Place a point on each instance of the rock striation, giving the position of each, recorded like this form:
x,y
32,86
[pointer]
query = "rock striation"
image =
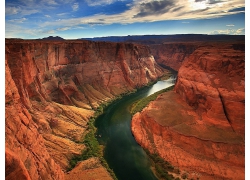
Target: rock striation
x,y
213,82
173,54
53,88
199,127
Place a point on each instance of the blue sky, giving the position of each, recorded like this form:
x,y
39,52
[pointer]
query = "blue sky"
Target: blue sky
x,y
72,19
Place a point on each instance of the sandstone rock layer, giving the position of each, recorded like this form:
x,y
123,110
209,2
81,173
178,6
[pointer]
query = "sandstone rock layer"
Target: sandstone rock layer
x,y
199,127
173,54
53,88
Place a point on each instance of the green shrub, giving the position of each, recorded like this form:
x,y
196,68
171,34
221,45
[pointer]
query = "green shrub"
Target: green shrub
x,y
139,105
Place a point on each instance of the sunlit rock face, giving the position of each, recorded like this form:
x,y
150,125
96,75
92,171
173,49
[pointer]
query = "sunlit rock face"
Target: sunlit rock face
x,y
26,156
199,127
212,81
53,88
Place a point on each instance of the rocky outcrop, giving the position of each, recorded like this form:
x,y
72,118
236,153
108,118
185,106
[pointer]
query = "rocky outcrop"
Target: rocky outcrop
x,y
199,127
53,88
212,81
88,169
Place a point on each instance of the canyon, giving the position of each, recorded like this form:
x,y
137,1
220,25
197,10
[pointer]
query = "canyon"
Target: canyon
x,y
52,89
199,127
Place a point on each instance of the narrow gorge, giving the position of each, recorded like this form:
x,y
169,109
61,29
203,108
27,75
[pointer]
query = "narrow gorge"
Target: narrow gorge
x,y
53,89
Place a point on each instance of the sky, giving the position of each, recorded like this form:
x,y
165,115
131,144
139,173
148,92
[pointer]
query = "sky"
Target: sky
x,y
73,19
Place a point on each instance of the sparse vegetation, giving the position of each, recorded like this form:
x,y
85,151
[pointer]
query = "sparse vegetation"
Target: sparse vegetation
x,y
166,76
162,167
93,148
139,105
184,176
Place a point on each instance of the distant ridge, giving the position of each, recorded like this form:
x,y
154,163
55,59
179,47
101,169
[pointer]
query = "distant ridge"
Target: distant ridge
x,y
57,38
157,39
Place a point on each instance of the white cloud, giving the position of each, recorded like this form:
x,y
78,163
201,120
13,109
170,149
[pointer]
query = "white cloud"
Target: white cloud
x,y
46,15
230,25
148,11
240,31
12,10
75,6
100,2
138,11
63,29
62,14
49,2
21,20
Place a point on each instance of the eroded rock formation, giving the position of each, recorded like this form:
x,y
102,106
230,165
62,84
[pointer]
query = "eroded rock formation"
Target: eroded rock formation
x,y
53,88
199,127
173,54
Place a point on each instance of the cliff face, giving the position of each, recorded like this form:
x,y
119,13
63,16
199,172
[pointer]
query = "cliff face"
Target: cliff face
x,y
199,127
52,89
66,72
213,82
173,54
26,156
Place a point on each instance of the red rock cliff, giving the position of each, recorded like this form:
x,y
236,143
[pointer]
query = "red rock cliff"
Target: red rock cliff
x,y
173,54
199,128
212,81
52,89
26,156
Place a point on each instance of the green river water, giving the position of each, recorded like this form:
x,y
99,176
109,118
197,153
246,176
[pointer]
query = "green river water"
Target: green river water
x,y
127,159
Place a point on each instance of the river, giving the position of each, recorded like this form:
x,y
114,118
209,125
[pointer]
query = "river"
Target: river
x,y
127,159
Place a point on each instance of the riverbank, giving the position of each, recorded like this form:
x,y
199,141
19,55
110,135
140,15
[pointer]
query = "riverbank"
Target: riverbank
x,y
171,129
114,133
93,148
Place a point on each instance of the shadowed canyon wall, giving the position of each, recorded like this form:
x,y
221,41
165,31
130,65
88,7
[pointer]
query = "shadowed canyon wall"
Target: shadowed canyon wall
x,y
200,126
173,54
53,88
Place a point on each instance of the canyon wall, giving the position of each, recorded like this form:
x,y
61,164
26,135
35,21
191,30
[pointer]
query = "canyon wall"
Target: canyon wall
x,y
173,54
213,82
53,88
200,126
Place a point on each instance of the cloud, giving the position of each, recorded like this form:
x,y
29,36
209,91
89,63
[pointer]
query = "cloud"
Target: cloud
x,y
28,7
75,6
199,0
138,11
185,22
151,11
46,15
49,32
230,25
240,31
21,20
11,10
99,2
215,1
49,2
63,29
154,7
62,14
210,1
